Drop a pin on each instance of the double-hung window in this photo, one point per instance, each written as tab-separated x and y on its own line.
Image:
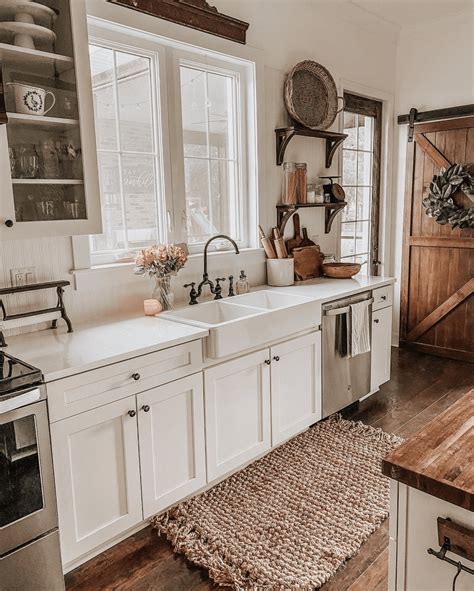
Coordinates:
173	140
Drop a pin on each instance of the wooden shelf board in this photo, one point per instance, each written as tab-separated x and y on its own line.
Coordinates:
296	206
285	134
20	119
47	182
35	56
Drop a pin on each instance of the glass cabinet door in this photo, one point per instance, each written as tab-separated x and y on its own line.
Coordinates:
44	130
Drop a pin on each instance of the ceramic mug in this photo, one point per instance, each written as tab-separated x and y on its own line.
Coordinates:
31	100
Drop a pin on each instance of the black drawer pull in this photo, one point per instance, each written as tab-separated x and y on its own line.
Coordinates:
131	413
276	358
136	376
376	320
267	361
145	408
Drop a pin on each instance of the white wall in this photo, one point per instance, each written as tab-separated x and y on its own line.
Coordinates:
435	69
354	47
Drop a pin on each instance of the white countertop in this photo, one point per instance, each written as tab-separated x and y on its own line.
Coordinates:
60	354
325	289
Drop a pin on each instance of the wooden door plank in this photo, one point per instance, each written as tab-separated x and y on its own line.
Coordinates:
441	241
445	125
454	300
407	216
436	156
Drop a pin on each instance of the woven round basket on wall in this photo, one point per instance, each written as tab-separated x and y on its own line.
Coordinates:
311	95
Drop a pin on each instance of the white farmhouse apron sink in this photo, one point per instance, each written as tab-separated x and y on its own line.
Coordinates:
242	322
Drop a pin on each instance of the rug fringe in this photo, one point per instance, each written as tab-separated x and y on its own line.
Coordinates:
360	428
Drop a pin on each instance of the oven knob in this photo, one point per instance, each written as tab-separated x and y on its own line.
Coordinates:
131	413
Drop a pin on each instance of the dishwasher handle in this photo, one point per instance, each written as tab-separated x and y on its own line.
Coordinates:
344	309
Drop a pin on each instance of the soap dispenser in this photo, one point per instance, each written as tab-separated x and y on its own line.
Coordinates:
242	285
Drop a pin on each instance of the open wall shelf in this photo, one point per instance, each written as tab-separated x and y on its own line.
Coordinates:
285	134
331	210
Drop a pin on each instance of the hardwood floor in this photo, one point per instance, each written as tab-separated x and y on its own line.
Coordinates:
421	388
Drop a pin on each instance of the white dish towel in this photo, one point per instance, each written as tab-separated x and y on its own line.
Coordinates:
360	329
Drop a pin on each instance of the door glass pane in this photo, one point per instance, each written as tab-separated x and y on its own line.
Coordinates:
20	477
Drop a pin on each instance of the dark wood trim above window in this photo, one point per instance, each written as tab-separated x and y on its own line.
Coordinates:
197	14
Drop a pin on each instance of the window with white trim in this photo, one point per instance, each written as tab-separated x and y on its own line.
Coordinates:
172	139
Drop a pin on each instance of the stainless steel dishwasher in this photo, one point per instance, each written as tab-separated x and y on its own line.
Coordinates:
345	379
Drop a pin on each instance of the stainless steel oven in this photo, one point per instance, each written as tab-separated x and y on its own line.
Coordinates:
345	378
29	541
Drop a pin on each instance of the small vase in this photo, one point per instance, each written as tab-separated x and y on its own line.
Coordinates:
163	293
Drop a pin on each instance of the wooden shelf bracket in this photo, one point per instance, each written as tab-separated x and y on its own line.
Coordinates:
331	210
285	134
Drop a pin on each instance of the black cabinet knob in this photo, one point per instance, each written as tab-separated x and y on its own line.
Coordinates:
136	376
145	408
276	358
131	413
376	320
383	298
267	361
9	223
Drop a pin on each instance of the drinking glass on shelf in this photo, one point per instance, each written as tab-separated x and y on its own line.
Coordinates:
28	162
50	156
68	153
12	157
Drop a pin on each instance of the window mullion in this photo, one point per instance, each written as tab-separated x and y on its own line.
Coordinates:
119	146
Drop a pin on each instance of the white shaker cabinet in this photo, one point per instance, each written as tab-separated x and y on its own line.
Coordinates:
237	406
97	476
172	448
381	347
296	386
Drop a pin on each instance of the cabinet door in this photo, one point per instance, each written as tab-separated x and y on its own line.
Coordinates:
296	386
381	347
97	476
172	449
237	404
48	158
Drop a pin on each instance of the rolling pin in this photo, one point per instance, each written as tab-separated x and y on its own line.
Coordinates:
279	244
267	244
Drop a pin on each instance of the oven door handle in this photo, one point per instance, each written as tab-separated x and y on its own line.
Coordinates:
18	401
345	309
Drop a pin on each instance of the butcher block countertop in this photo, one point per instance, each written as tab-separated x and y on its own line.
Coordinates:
439	459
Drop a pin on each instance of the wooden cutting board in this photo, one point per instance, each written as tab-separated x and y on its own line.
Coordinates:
306	241
308	261
298	239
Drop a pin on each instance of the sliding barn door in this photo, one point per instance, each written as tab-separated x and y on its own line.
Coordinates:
437	301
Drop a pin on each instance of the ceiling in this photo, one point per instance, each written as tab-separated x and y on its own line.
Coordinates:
407	13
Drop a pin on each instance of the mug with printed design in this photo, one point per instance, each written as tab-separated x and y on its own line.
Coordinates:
31	100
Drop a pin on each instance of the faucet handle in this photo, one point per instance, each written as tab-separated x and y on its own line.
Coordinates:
193	294
218	288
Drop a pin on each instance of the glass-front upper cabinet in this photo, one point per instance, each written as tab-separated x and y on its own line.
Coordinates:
48	159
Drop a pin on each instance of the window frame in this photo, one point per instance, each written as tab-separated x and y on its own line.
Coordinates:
371	107
175	58
166	55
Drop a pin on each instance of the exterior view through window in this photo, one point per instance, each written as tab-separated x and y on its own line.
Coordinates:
361	182
182	184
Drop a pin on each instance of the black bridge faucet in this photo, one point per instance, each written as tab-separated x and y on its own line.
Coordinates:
217	288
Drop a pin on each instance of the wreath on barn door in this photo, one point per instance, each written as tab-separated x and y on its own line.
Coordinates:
440	204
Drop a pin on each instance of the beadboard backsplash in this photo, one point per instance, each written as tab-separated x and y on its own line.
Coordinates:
109	292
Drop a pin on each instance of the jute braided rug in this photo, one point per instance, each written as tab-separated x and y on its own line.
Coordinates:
294	517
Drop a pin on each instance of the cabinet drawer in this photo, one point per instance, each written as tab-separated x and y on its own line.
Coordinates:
383	297
94	388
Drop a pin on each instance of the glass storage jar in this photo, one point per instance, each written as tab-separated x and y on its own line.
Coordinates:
288	195
301	182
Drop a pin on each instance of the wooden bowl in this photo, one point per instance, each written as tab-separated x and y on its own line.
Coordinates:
341	270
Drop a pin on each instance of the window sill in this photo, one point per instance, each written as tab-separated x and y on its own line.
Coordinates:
82	277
